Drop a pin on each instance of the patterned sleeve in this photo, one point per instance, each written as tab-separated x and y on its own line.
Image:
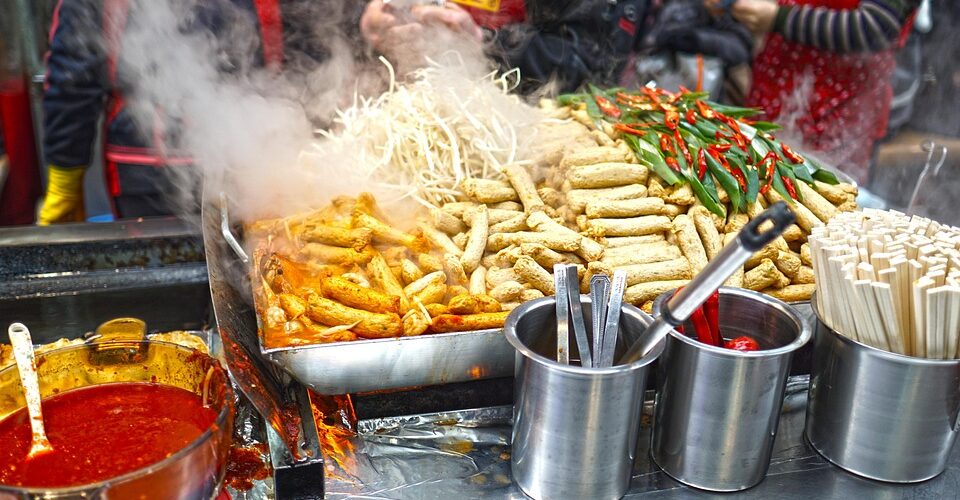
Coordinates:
872	26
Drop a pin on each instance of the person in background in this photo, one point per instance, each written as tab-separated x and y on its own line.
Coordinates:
686	45
825	70
562	43
86	80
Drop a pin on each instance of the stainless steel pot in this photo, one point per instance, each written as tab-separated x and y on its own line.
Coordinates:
575	429
881	415
717	409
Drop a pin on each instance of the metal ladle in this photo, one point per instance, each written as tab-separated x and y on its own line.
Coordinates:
732	257
27	365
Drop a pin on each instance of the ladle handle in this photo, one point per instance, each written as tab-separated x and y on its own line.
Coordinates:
749	240
27	366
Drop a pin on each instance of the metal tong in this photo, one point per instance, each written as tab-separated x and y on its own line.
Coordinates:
605	316
732	257
570	311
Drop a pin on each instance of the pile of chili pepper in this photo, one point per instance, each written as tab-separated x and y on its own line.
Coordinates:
706	323
684	138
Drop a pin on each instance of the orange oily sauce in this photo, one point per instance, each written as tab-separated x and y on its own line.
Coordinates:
100	432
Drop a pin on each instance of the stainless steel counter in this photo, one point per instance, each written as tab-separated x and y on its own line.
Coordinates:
466	455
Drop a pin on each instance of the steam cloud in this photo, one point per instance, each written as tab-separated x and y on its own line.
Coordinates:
245	125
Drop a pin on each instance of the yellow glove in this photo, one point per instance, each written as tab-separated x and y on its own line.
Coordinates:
64	200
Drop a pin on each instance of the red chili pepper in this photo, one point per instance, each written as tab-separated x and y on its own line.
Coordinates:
683	147
608	108
722	160
691	117
665	144
770	160
794	157
672	119
702	326
732	123
712	310
627	129
722	148
741	180
788	183
742	343
653	94
705	110
672	163
701	164
639	106
740	140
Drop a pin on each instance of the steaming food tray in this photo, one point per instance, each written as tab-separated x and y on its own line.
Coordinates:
362	365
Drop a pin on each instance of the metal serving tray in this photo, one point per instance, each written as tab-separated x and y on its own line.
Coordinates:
372	365
363	365
380	364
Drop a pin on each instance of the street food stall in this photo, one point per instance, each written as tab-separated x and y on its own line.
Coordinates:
471	315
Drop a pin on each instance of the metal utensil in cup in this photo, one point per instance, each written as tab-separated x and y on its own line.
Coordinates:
718	409
750	239
599	293
575	428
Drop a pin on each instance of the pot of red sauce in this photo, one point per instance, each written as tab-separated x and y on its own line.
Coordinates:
127	419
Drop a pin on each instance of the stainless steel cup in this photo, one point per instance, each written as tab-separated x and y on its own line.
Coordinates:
717	410
881	415
575	429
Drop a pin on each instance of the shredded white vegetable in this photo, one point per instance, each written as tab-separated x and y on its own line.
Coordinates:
422	139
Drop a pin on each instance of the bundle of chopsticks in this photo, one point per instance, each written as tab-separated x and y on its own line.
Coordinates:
890	281
597	347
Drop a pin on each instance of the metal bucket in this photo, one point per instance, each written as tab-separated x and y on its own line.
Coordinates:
881	415
575	429
717	409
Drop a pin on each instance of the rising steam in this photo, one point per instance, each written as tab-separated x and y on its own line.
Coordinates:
246	126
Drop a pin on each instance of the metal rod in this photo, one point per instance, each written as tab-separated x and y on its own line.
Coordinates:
576	311
563	314
731	258
227	233
612	327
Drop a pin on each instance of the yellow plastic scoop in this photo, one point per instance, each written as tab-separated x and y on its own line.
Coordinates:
27	365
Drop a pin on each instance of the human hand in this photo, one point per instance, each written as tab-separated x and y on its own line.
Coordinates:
387	29
384	30
450	15
757	15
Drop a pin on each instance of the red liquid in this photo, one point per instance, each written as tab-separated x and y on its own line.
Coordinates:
102	431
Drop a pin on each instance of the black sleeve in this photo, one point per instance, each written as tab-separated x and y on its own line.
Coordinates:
543	57
685	26
569	42
76	84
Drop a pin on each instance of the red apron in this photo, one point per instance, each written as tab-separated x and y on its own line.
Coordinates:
837	104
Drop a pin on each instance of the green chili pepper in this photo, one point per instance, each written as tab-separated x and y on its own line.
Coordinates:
703	195
653	160
726	180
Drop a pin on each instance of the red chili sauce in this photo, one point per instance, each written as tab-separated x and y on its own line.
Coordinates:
101	431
